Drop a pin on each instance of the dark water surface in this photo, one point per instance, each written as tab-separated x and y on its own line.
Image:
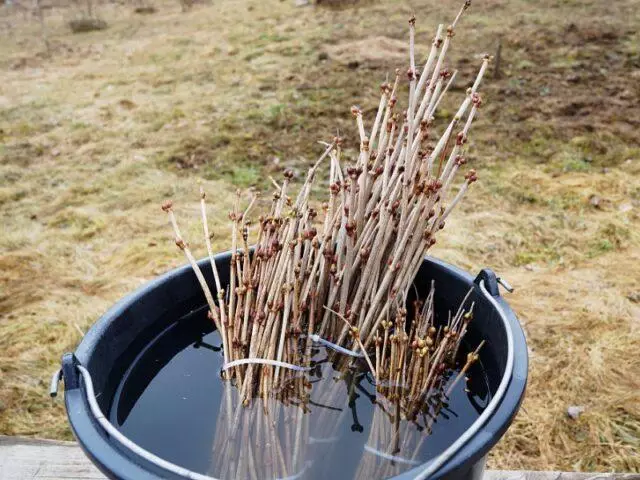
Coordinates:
173	403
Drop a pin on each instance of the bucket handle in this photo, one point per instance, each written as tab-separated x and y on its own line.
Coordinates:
491	282
69	372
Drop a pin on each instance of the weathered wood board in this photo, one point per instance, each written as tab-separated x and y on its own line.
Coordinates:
528	475
27	459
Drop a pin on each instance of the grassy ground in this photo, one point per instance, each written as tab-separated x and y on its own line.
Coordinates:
95	137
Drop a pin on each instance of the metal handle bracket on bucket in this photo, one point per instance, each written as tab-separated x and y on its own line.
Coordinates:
490	281
69	372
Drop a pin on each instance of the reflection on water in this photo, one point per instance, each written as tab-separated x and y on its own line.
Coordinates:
173	403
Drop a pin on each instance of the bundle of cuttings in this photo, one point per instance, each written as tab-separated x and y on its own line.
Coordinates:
339	272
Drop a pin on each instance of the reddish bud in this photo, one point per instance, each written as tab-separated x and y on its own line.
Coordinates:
471	176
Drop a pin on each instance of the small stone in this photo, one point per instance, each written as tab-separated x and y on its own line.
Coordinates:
574	411
625	207
127	104
634	297
626	94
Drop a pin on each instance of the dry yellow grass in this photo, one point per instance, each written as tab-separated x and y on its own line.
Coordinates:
95	137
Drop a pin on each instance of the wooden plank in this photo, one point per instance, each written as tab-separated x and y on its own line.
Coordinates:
35	459
30	459
525	475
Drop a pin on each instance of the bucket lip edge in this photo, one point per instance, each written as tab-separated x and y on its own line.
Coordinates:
469	454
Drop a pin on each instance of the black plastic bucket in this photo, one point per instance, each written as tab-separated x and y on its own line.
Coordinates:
116	341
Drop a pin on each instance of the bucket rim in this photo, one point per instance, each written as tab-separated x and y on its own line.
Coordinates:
119	462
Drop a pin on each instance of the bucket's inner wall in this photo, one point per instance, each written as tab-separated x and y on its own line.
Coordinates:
109	348
450	291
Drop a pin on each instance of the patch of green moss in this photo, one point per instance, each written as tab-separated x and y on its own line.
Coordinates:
616	234
21	154
575	165
253	55
519	194
525	65
609	237
273	38
537	255
240	175
601	246
182	41
81	225
565	201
